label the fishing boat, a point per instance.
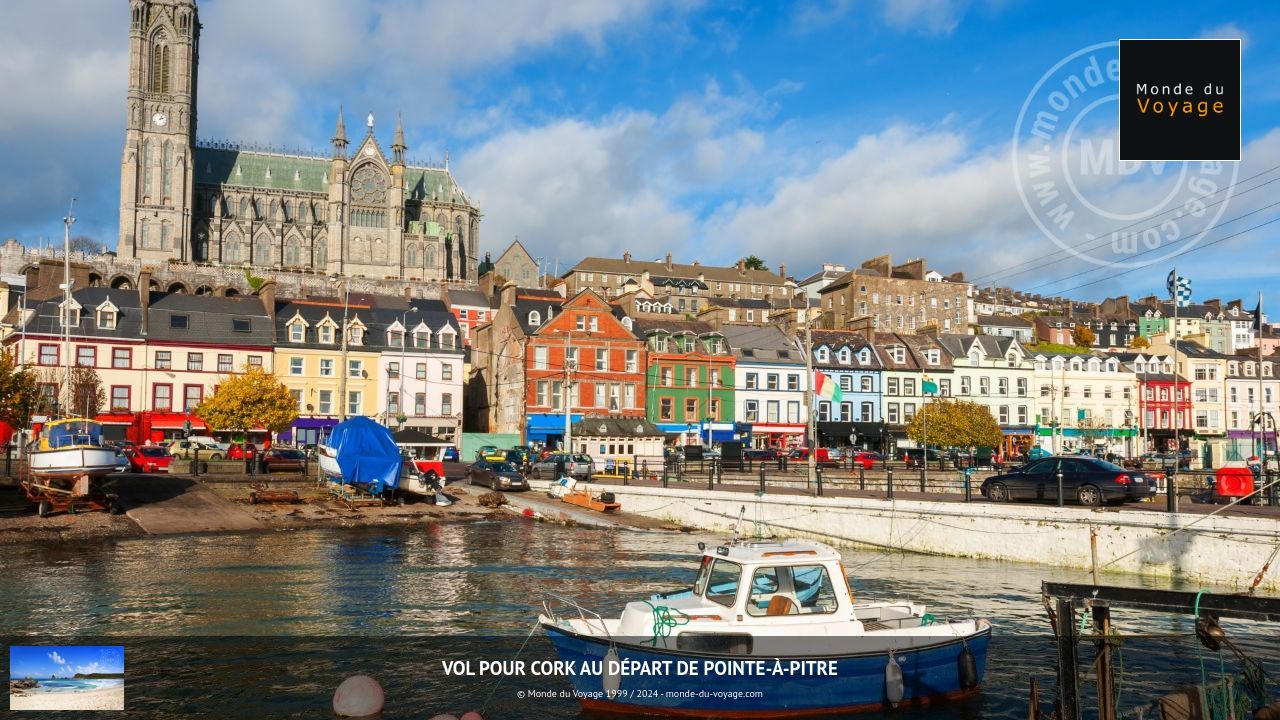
(769, 629)
(72, 449)
(361, 455)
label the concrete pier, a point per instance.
(1222, 550)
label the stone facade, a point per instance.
(879, 296)
(359, 214)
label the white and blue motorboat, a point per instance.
(770, 629)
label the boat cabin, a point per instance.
(70, 433)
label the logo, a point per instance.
(1180, 99)
(1092, 204)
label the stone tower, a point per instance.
(156, 183)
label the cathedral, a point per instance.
(356, 212)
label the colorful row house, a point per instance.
(690, 381)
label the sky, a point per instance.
(64, 660)
(802, 132)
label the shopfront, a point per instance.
(546, 428)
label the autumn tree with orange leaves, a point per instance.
(249, 400)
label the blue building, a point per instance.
(852, 362)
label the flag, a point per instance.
(1179, 288)
(928, 387)
(1257, 317)
(827, 388)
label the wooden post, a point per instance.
(1068, 678)
(1106, 682)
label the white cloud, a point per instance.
(93, 667)
(932, 17)
(56, 658)
(1227, 31)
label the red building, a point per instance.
(1161, 414)
(471, 308)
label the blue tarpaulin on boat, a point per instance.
(367, 454)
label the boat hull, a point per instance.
(73, 462)
(328, 460)
(930, 673)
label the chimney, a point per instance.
(742, 267)
(626, 257)
(267, 294)
(882, 265)
(1215, 303)
(782, 270)
(408, 292)
(669, 265)
(508, 295)
(144, 298)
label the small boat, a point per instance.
(770, 629)
(72, 449)
(567, 490)
(360, 453)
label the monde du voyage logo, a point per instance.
(1180, 100)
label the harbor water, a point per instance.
(266, 625)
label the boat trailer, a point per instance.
(83, 495)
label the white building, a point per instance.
(769, 384)
(1246, 383)
(420, 383)
(1085, 402)
(996, 372)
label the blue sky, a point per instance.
(64, 660)
(834, 130)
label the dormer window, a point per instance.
(931, 356)
(823, 355)
(326, 333)
(395, 337)
(448, 339)
(845, 356)
(535, 319)
(355, 336)
(297, 332)
(898, 353)
(864, 357)
(626, 323)
(975, 357)
(421, 338)
(106, 319)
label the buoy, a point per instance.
(472, 715)
(893, 682)
(358, 696)
(527, 512)
(968, 669)
(610, 681)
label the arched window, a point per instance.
(287, 210)
(430, 256)
(262, 251)
(166, 171)
(214, 206)
(411, 255)
(458, 231)
(293, 253)
(231, 248)
(164, 235)
(273, 210)
(143, 240)
(244, 208)
(158, 82)
(148, 157)
(321, 253)
(534, 318)
(302, 211)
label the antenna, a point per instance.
(737, 527)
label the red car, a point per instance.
(825, 457)
(866, 459)
(240, 451)
(148, 459)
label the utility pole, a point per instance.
(808, 396)
(565, 393)
(66, 303)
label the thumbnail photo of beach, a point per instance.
(66, 677)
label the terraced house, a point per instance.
(690, 380)
(995, 372)
(420, 373)
(770, 382)
(908, 360)
(850, 360)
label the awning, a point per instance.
(1019, 430)
(176, 421)
(409, 436)
(678, 428)
(552, 423)
(115, 418)
(777, 429)
(314, 423)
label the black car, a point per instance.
(1086, 480)
(496, 475)
(760, 454)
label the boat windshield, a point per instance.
(75, 432)
(720, 583)
(791, 590)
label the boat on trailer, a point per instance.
(72, 449)
(769, 629)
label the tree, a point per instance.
(19, 390)
(252, 399)
(751, 262)
(87, 396)
(1139, 342)
(87, 245)
(1082, 336)
(955, 423)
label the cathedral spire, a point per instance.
(340, 137)
(397, 145)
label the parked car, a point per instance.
(578, 466)
(1086, 480)
(760, 454)
(187, 449)
(1038, 453)
(280, 459)
(491, 452)
(866, 459)
(122, 461)
(208, 443)
(241, 451)
(450, 454)
(825, 457)
(149, 459)
(496, 475)
(913, 456)
(518, 456)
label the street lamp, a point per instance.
(404, 341)
(345, 284)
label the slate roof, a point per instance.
(991, 345)
(1196, 350)
(748, 303)
(466, 298)
(655, 323)
(765, 344)
(914, 357)
(547, 303)
(837, 339)
(376, 319)
(209, 319)
(678, 270)
(614, 426)
(1011, 321)
(44, 319)
(216, 166)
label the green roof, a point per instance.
(427, 184)
(264, 171)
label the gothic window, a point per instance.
(443, 222)
(287, 211)
(164, 235)
(166, 171)
(143, 240)
(214, 207)
(244, 208)
(255, 210)
(411, 255)
(231, 248)
(262, 251)
(148, 156)
(457, 231)
(273, 210)
(201, 248)
(369, 185)
(321, 253)
(302, 211)
(431, 256)
(293, 253)
(159, 80)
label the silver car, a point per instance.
(578, 466)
